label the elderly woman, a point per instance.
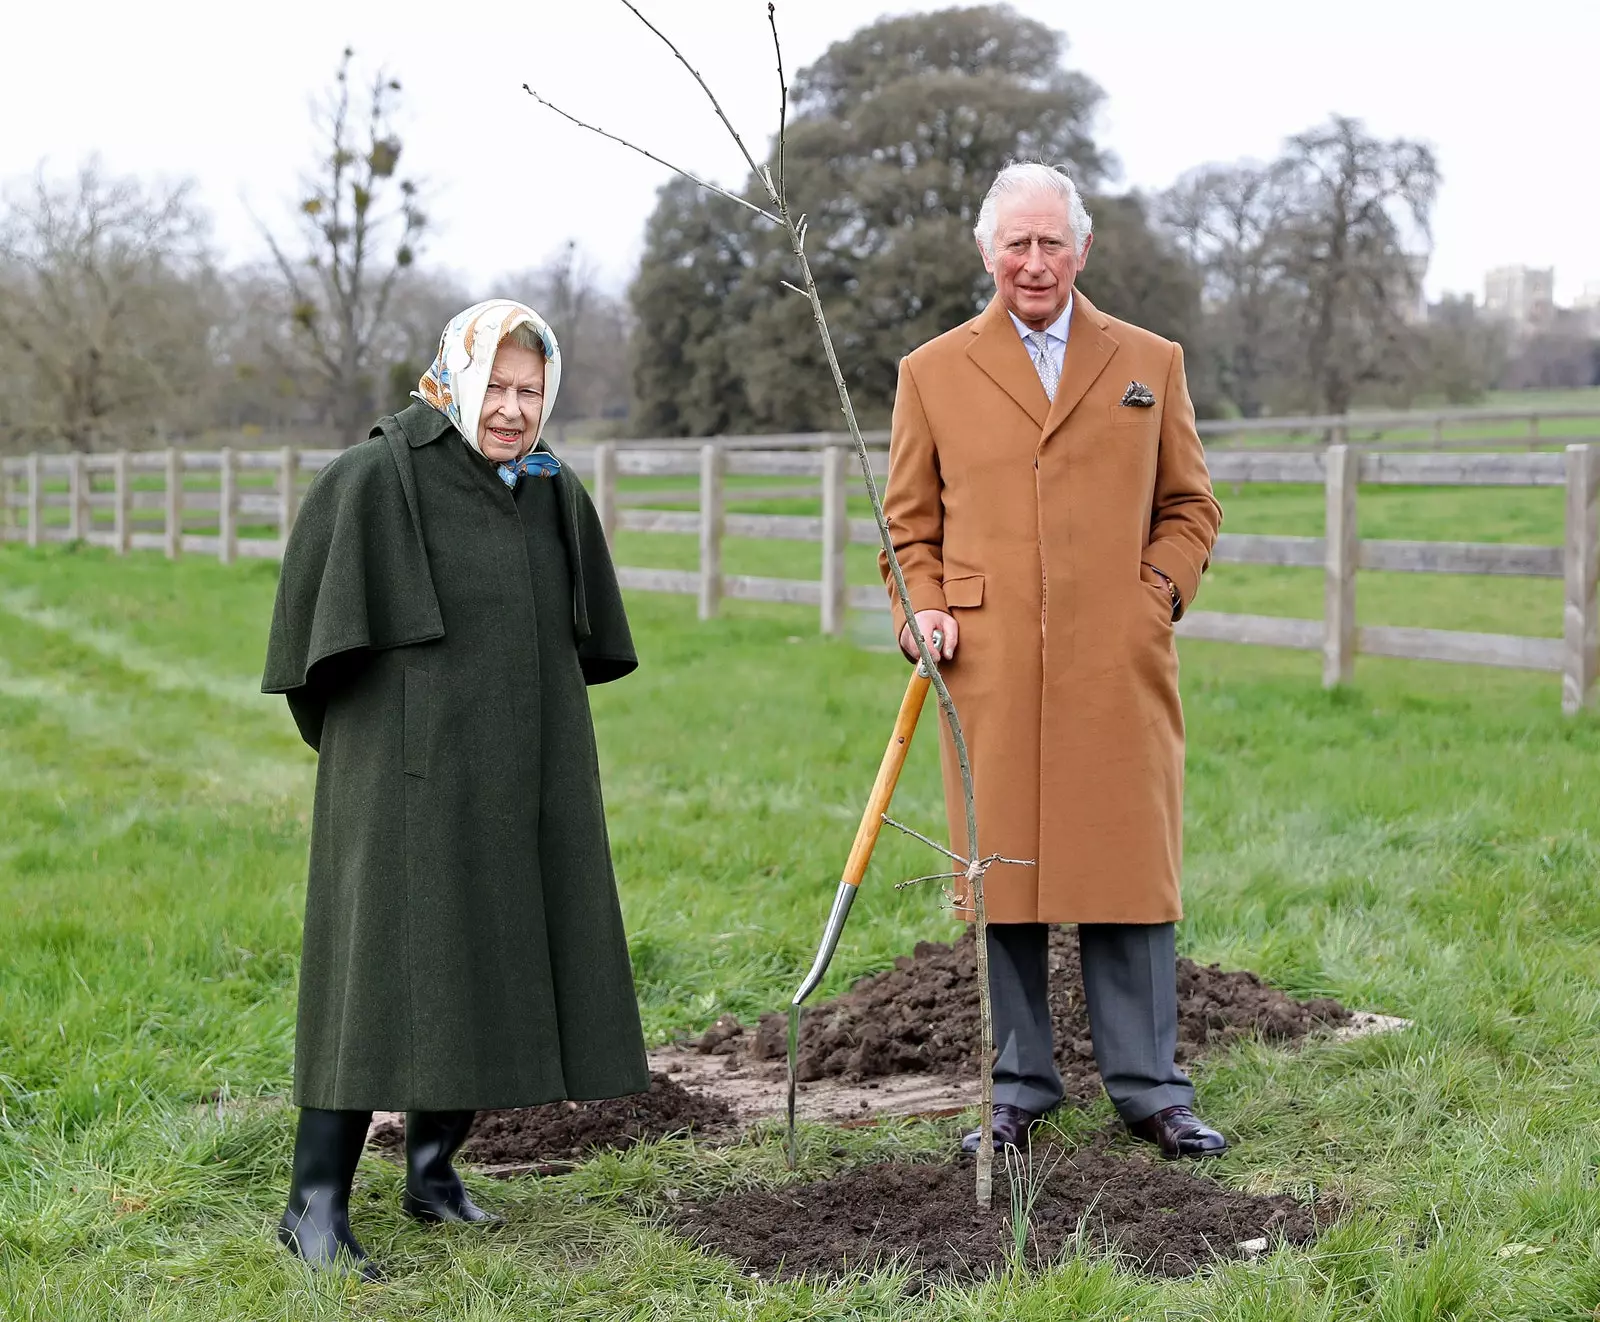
(446, 597)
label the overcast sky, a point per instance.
(220, 94)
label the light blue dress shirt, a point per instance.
(1055, 335)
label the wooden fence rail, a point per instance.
(1409, 429)
(247, 502)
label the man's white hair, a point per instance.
(1032, 177)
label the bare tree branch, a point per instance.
(649, 155)
(796, 234)
(783, 101)
(716, 105)
(917, 835)
(932, 876)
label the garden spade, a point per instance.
(894, 758)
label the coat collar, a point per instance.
(998, 351)
(421, 424)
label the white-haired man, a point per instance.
(1049, 501)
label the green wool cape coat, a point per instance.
(434, 633)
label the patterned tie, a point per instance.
(1044, 362)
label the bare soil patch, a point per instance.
(921, 1017)
(563, 1133)
(1162, 1216)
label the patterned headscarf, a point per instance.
(456, 382)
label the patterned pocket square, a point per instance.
(1138, 396)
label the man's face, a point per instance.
(512, 404)
(1035, 259)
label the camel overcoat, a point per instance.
(1032, 522)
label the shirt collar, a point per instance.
(1057, 330)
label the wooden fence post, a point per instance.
(227, 503)
(288, 491)
(605, 490)
(713, 465)
(835, 538)
(174, 505)
(1339, 579)
(35, 499)
(1581, 663)
(77, 496)
(122, 507)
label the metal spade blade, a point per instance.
(894, 759)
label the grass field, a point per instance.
(1425, 843)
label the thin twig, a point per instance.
(650, 155)
(992, 859)
(947, 705)
(783, 100)
(794, 289)
(796, 233)
(932, 876)
(969, 870)
(704, 86)
(917, 835)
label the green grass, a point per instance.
(1426, 842)
(1511, 432)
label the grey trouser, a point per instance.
(1130, 987)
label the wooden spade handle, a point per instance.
(894, 758)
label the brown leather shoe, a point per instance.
(1011, 1126)
(1178, 1132)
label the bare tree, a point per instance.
(360, 227)
(106, 303)
(593, 325)
(407, 340)
(1229, 219)
(779, 212)
(1355, 238)
(1562, 356)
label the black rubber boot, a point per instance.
(316, 1226)
(434, 1191)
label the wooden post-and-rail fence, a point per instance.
(234, 504)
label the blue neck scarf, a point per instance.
(538, 462)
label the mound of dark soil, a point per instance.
(1160, 1215)
(922, 1015)
(567, 1131)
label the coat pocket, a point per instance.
(1129, 415)
(418, 721)
(967, 590)
(1158, 589)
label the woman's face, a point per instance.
(512, 404)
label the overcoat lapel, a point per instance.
(999, 353)
(1089, 349)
